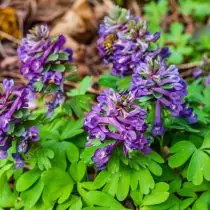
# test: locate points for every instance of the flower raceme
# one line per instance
(161, 83)
(14, 104)
(44, 60)
(123, 40)
(117, 118)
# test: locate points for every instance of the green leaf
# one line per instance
(72, 152)
(183, 151)
(27, 179)
(206, 142)
(98, 208)
(78, 170)
(146, 181)
(74, 203)
(158, 195)
(101, 179)
(7, 196)
(38, 86)
(123, 185)
(103, 199)
(112, 186)
(31, 196)
(124, 83)
(77, 204)
(73, 128)
(83, 87)
(198, 167)
(108, 81)
(52, 57)
(70, 68)
(137, 196)
(58, 67)
(63, 56)
(202, 202)
(58, 185)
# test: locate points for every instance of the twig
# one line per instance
(9, 37)
(190, 65)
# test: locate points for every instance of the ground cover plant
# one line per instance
(142, 141)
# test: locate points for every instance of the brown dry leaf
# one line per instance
(8, 22)
(83, 9)
(71, 24)
(8, 61)
(78, 22)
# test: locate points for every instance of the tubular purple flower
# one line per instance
(101, 156)
(197, 73)
(116, 117)
(19, 163)
(207, 81)
(157, 128)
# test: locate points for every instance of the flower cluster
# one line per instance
(44, 60)
(116, 117)
(123, 40)
(155, 80)
(14, 104)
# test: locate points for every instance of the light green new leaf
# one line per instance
(137, 196)
(101, 179)
(123, 185)
(158, 195)
(83, 87)
(206, 142)
(73, 128)
(183, 150)
(172, 203)
(74, 203)
(198, 167)
(31, 196)
(77, 170)
(58, 184)
(27, 179)
(72, 152)
(112, 186)
(146, 180)
(102, 199)
(7, 196)
(202, 202)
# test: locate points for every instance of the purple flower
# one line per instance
(207, 81)
(19, 163)
(101, 156)
(188, 113)
(197, 73)
(123, 40)
(116, 117)
(30, 135)
(44, 60)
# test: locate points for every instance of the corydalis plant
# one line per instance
(44, 60)
(117, 118)
(14, 105)
(123, 40)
